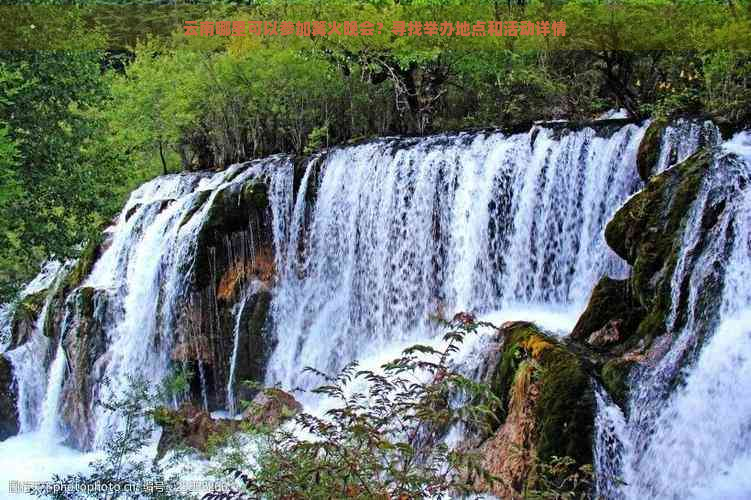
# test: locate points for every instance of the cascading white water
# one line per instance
(687, 431)
(51, 404)
(145, 267)
(28, 360)
(393, 232)
(683, 138)
(402, 230)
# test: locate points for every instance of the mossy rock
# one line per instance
(232, 210)
(24, 317)
(8, 413)
(30, 306)
(83, 265)
(610, 300)
(190, 428)
(649, 148)
(647, 233)
(565, 407)
(615, 375)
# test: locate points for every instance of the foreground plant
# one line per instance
(383, 436)
(125, 471)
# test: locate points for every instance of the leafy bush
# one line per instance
(125, 471)
(383, 436)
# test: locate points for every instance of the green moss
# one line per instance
(83, 265)
(647, 232)
(615, 379)
(565, 408)
(29, 307)
(513, 355)
(610, 300)
(649, 148)
(166, 417)
(25, 315)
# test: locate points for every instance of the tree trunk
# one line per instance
(161, 155)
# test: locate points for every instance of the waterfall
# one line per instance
(688, 427)
(684, 137)
(147, 270)
(403, 229)
(28, 360)
(368, 243)
(50, 405)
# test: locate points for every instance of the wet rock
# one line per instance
(84, 343)
(646, 232)
(236, 232)
(230, 276)
(271, 407)
(547, 408)
(8, 413)
(25, 317)
(607, 335)
(625, 317)
(192, 427)
(189, 427)
(649, 148)
(206, 340)
(84, 264)
(132, 210)
(615, 375)
(610, 301)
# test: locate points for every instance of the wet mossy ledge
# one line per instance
(565, 405)
(623, 317)
(649, 148)
(547, 409)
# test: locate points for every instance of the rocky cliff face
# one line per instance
(224, 302)
(628, 320)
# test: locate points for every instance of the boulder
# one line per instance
(649, 148)
(271, 407)
(8, 413)
(547, 409)
(190, 427)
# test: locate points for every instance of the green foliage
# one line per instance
(380, 437)
(317, 139)
(57, 190)
(561, 478)
(176, 385)
(124, 471)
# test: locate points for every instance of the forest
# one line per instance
(97, 123)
